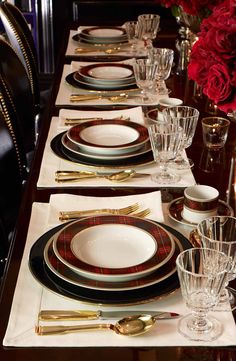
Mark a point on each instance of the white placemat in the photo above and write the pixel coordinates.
(65, 91)
(22, 321)
(51, 162)
(125, 50)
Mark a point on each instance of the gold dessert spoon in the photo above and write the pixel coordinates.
(128, 326)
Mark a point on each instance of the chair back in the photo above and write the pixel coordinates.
(19, 35)
(16, 96)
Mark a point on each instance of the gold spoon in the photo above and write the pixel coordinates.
(121, 176)
(128, 326)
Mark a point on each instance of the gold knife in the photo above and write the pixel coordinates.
(56, 315)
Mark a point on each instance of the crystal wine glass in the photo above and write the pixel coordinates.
(164, 58)
(165, 141)
(201, 272)
(131, 28)
(187, 118)
(219, 232)
(148, 28)
(145, 75)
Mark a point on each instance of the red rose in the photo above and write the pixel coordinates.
(218, 86)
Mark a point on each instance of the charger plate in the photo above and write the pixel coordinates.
(149, 245)
(64, 153)
(48, 279)
(81, 84)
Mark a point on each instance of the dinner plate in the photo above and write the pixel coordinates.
(106, 32)
(106, 41)
(79, 83)
(101, 85)
(64, 153)
(175, 209)
(113, 248)
(64, 272)
(77, 150)
(48, 279)
(104, 73)
(108, 136)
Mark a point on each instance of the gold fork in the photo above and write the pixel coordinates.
(66, 215)
(142, 214)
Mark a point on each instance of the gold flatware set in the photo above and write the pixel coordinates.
(77, 120)
(136, 323)
(113, 98)
(117, 177)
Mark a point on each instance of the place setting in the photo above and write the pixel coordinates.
(99, 152)
(109, 83)
(59, 272)
(103, 42)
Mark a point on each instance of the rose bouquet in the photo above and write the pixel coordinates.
(213, 57)
(202, 8)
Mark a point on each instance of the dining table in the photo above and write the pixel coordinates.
(26, 289)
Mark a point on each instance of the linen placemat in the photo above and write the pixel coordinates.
(125, 51)
(22, 321)
(52, 163)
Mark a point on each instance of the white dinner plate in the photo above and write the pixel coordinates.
(108, 137)
(76, 150)
(113, 248)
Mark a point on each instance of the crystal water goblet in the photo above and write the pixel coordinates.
(148, 28)
(201, 273)
(187, 118)
(145, 75)
(219, 232)
(165, 141)
(164, 58)
(131, 28)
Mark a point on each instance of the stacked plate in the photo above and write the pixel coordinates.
(108, 259)
(105, 76)
(102, 35)
(106, 142)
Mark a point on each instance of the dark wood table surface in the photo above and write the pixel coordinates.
(211, 168)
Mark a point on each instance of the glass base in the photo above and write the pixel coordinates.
(165, 178)
(210, 331)
(227, 300)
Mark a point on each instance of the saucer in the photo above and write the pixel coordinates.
(176, 207)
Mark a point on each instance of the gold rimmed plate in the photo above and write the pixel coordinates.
(64, 153)
(72, 147)
(81, 84)
(65, 273)
(113, 248)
